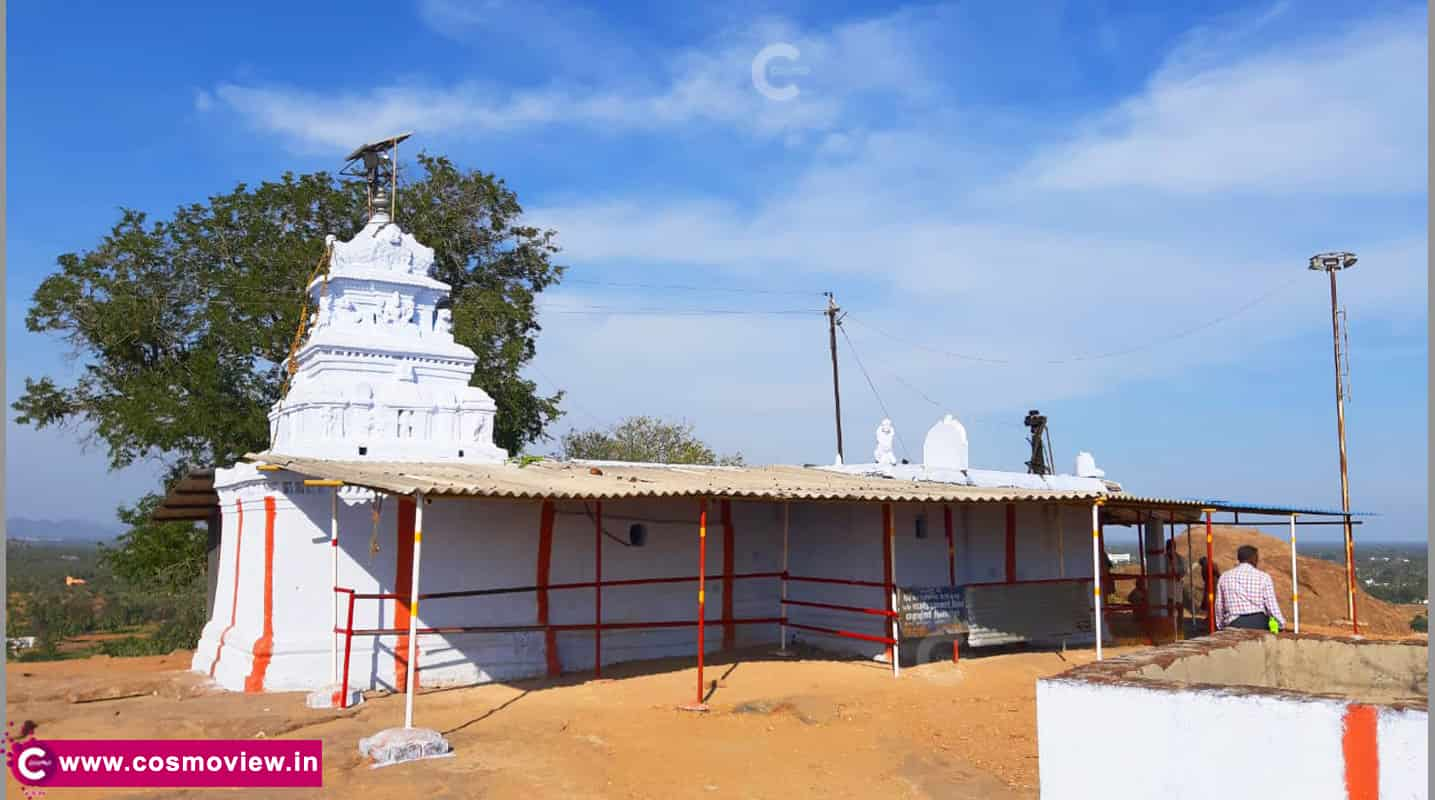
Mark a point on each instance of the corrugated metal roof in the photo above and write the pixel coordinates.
(1197, 504)
(577, 481)
(192, 498)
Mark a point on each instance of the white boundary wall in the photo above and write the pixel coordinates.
(474, 544)
(1216, 741)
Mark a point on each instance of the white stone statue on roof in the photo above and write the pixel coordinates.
(885, 433)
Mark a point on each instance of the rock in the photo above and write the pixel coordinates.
(396, 745)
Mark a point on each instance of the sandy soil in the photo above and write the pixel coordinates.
(778, 728)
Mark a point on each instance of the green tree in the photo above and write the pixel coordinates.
(647, 439)
(160, 556)
(1420, 624)
(183, 325)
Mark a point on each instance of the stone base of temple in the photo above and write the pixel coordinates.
(255, 667)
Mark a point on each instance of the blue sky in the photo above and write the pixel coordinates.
(1101, 210)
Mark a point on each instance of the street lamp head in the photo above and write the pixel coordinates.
(1330, 262)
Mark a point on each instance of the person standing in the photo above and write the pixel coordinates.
(1245, 596)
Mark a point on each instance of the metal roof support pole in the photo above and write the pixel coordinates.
(598, 590)
(1173, 581)
(1096, 576)
(952, 570)
(698, 704)
(782, 605)
(1295, 580)
(1141, 549)
(414, 610)
(1350, 573)
(334, 601)
(889, 547)
(1210, 577)
(1190, 589)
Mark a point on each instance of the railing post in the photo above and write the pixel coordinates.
(414, 610)
(1295, 580)
(1096, 582)
(348, 647)
(698, 704)
(1210, 576)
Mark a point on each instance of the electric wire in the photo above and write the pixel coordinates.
(885, 413)
(1147, 345)
(687, 287)
(242, 297)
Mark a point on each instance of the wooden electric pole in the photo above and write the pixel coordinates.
(832, 320)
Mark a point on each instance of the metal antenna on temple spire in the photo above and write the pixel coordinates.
(375, 162)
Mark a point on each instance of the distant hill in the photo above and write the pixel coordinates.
(60, 530)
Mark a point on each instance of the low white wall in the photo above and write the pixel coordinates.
(1092, 738)
(1404, 752)
(482, 544)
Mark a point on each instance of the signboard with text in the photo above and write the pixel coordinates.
(992, 614)
(931, 610)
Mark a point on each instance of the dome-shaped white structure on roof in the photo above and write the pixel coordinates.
(1086, 466)
(946, 445)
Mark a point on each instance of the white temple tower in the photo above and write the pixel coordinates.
(380, 376)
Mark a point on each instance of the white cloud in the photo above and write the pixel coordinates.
(941, 245)
(1345, 113)
(836, 71)
(941, 255)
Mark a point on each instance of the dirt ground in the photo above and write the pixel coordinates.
(777, 728)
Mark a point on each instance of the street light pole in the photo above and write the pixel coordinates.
(1332, 263)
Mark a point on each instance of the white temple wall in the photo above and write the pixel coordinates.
(844, 540)
(483, 544)
(300, 578)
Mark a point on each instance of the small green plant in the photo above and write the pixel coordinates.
(1421, 624)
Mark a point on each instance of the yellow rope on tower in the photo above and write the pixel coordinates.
(320, 270)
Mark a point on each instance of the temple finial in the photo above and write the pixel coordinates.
(375, 162)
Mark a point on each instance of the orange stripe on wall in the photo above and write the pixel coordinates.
(403, 581)
(234, 603)
(729, 630)
(545, 560)
(1362, 759)
(264, 646)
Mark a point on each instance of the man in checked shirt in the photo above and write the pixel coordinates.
(1245, 596)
